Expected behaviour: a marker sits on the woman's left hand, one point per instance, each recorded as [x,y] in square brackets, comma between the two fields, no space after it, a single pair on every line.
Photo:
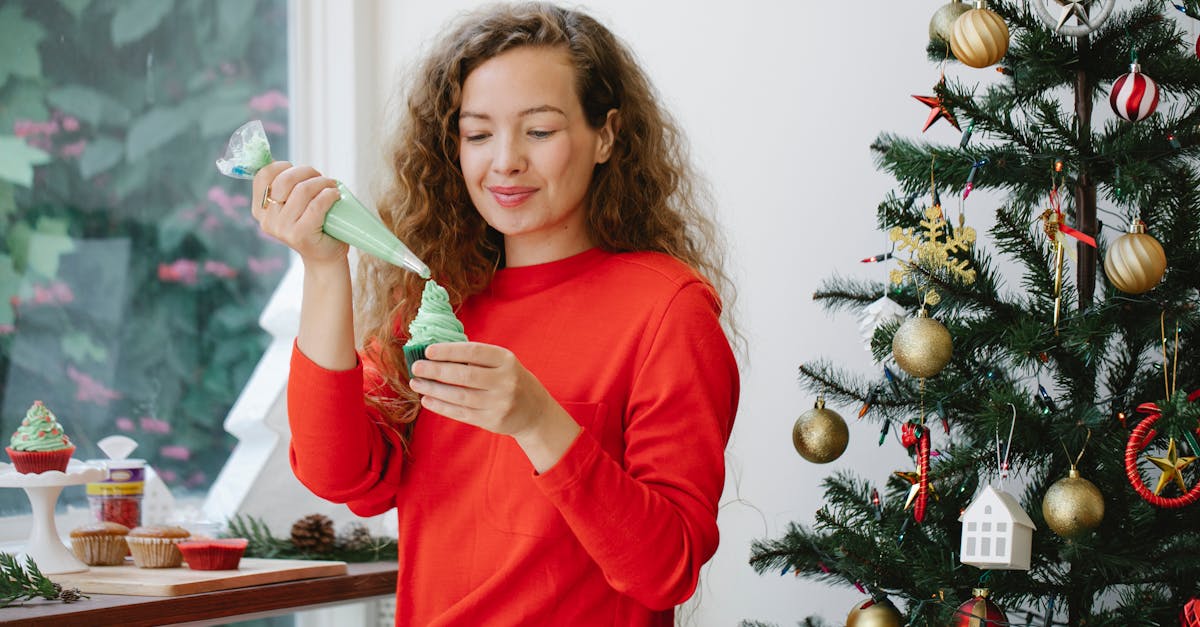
[480,384]
[486,386]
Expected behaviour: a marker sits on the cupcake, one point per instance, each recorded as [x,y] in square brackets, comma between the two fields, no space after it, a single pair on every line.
[154,547]
[40,444]
[100,544]
[435,322]
[208,554]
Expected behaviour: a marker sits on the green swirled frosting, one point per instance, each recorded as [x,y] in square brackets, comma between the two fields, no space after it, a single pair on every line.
[39,431]
[435,321]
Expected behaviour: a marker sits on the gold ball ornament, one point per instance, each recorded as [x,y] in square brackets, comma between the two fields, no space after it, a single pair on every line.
[820,435]
[979,37]
[1073,506]
[922,346]
[870,613]
[941,25]
[1135,262]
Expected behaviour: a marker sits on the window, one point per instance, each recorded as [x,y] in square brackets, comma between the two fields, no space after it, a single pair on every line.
[1001,547]
[132,277]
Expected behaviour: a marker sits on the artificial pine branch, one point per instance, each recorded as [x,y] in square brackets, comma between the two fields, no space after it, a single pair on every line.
[19,583]
[263,544]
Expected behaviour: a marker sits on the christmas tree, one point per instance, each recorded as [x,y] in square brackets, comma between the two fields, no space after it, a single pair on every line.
[1048,408]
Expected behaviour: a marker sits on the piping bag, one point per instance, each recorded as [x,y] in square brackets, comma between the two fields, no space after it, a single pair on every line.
[348,220]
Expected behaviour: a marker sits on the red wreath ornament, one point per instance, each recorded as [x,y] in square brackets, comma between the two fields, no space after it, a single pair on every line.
[1141,437]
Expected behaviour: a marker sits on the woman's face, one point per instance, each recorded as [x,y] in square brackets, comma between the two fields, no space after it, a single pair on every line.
[527,152]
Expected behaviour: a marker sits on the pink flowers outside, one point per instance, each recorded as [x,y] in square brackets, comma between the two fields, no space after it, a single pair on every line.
[265,266]
[217,268]
[57,293]
[183,271]
[89,390]
[175,451]
[187,271]
[154,425]
[269,101]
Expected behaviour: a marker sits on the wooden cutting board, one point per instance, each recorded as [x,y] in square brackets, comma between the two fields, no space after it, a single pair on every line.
[168,582]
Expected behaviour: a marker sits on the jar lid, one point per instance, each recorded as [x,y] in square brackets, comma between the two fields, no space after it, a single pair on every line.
[117,464]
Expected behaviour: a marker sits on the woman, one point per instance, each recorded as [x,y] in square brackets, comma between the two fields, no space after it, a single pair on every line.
[564,466]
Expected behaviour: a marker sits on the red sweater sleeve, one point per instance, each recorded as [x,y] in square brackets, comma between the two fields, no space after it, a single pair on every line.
[651,523]
[340,450]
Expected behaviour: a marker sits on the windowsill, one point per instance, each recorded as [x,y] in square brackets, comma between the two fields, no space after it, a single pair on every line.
[363,581]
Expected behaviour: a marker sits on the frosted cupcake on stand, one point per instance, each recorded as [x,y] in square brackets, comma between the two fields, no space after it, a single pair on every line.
[40,444]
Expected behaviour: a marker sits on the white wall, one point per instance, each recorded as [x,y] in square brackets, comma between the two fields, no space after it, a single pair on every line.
[781,101]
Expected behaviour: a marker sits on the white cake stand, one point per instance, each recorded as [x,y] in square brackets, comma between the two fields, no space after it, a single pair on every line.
[44,545]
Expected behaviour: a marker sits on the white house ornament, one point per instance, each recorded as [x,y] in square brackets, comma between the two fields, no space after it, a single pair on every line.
[1085,22]
[996,533]
[1134,95]
[877,314]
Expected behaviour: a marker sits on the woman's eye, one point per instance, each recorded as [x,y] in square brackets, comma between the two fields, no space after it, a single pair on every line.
[540,134]
[475,138]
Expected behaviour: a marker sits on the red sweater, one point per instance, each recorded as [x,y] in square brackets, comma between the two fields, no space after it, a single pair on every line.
[615,533]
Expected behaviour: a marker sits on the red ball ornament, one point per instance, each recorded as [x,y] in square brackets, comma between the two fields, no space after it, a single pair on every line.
[1134,96]
[980,612]
[1190,616]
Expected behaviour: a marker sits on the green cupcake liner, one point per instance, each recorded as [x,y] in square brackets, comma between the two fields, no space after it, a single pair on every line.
[413,354]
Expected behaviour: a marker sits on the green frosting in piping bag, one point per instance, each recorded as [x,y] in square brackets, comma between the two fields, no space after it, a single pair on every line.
[435,321]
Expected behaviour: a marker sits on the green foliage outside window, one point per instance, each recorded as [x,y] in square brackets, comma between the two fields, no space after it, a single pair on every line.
[131,273]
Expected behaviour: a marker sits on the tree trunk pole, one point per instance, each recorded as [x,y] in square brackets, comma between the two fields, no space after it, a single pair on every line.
[1085,189]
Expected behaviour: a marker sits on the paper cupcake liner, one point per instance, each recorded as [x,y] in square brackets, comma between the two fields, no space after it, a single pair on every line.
[413,354]
[100,550]
[35,462]
[223,554]
[155,552]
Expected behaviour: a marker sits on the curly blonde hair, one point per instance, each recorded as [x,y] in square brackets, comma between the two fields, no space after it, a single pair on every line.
[644,198]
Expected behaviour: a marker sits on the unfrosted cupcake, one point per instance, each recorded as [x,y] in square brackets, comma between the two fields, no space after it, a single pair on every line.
[40,444]
[154,546]
[100,544]
[210,554]
[435,322]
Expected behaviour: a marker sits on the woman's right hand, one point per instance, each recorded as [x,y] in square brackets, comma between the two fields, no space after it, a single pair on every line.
[290,202]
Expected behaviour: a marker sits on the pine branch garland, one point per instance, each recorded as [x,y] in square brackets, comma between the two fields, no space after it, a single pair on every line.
[25,583]
[353,546]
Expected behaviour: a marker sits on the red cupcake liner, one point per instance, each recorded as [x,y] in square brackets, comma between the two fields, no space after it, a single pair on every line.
[222,554]
[35,462]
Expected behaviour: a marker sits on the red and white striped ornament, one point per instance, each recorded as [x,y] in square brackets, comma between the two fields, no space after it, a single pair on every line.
[1134,96]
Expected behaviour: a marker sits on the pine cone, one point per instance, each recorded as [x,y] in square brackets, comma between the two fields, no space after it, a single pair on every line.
[355,538]
[313,533]
[70,595]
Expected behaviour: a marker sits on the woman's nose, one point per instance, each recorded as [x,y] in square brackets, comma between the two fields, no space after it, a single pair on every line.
[510,156]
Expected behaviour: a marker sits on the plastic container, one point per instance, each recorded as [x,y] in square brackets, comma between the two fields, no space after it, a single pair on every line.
[119,497]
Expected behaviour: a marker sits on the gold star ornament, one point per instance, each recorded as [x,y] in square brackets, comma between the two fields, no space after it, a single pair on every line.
[1172,468]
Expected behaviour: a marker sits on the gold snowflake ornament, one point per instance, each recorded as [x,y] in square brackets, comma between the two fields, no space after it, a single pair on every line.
[930,247]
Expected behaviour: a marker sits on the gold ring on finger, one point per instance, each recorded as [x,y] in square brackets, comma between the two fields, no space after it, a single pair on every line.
[267,198]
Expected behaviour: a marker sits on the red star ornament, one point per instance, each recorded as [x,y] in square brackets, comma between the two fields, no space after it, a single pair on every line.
[937,109]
